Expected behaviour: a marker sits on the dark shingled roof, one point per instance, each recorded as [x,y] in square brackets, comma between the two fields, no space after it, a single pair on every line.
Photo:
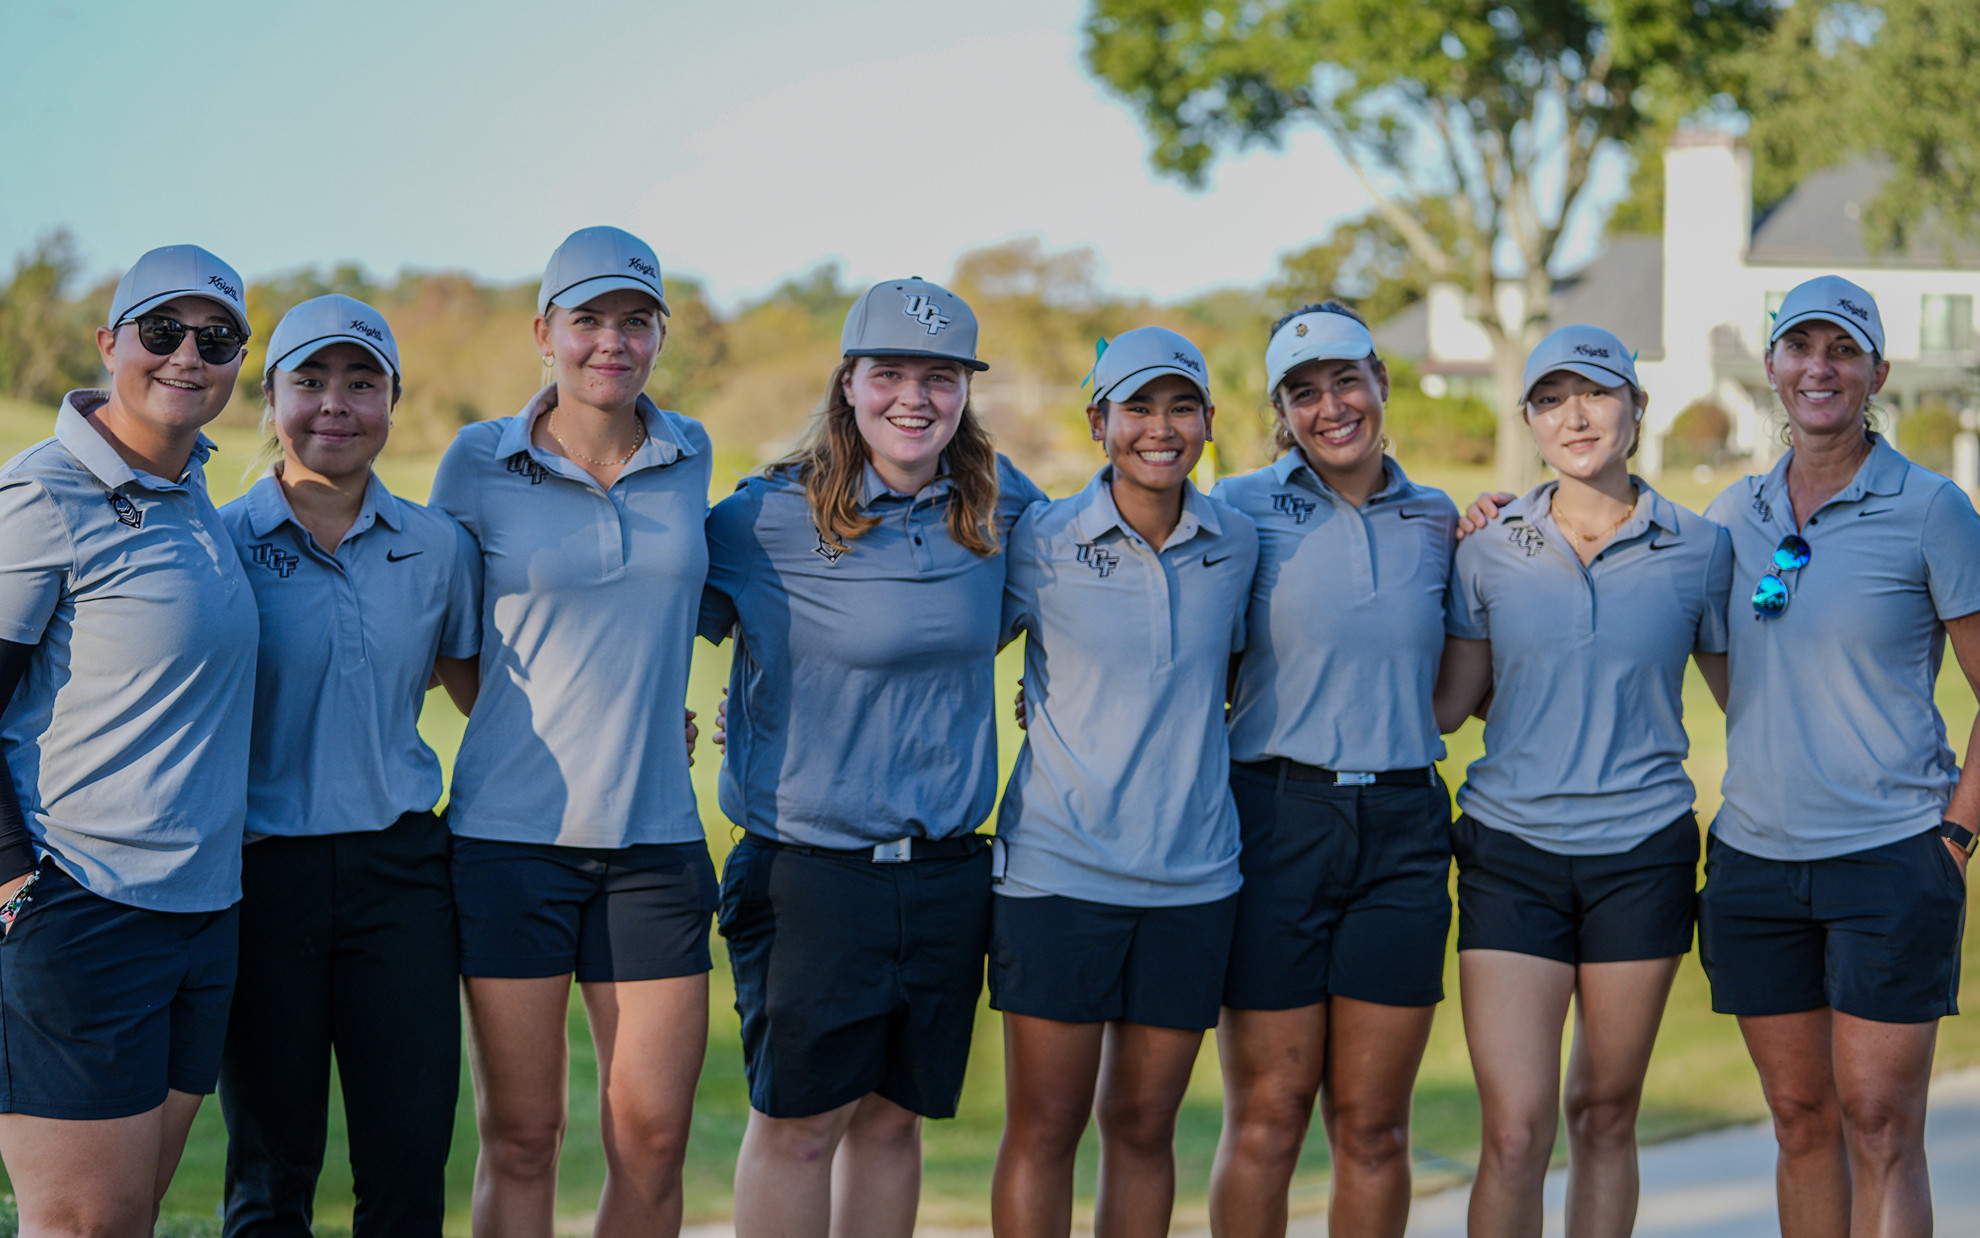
[1821,224]
[1621,290]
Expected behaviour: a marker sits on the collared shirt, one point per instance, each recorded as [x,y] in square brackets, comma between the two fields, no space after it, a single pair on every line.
[1121,792]
[1585,739]
[1833,741]
[862,696]
[1346,626]
[588,607]
[127,739]
[348,638]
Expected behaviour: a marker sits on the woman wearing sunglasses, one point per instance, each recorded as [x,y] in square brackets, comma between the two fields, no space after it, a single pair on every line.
[1337,962]
[347,915]
[861,579]
[1835,883]
[127,657]
[1574,612]
[578,849]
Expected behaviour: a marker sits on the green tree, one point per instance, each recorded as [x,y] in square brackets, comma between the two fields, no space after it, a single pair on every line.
[1497,107]
[47,341]
[1889,78]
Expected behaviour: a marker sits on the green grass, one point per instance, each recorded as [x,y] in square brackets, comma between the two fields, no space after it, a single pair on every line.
[1699,1077]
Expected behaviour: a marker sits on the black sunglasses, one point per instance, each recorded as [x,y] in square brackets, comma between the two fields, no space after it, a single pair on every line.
[216,345]
[1770,596]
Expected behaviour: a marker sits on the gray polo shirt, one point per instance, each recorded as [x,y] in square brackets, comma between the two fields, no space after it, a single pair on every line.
[1121,792]
[347,642]
[127,739]
[1346,626]
[1833,742]
[588,607]
[862,698]
[1585,739]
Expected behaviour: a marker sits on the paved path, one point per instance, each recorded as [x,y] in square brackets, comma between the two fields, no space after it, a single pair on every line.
[1721,1185]
[1718,1185]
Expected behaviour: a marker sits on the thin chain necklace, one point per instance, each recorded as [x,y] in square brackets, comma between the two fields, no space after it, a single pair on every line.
[603,464]
[1554,510]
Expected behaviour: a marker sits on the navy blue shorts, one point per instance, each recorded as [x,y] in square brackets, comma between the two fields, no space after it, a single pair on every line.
[104,1007]
[854,977]
[1347,893]
[1632,905]
[604,913]
[1066,959]
[1875,934]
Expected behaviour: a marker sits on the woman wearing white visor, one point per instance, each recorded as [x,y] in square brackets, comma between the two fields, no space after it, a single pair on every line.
[347,911]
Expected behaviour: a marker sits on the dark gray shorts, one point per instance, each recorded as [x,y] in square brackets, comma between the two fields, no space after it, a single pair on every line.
[1079,962]
[104,1007]
[1875,933]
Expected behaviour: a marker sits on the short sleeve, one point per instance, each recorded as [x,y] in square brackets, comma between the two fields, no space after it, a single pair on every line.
[36,556]
[1020,578]
[1465,613]
[732,543]
[460,634]
[1950,539]
[1712,620]
[454,489]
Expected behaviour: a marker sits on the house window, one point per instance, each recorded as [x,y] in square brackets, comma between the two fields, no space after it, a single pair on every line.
[1945,323]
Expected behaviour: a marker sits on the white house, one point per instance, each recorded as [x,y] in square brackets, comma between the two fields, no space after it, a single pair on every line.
[1696,301]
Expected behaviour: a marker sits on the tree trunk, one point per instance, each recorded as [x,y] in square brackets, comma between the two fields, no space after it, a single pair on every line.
[1518,462]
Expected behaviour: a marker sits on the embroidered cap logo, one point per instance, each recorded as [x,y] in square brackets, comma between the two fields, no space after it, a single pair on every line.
[233,293]
[1854,308]
[922,308]
[1588,351]
[643,268]
[364,328]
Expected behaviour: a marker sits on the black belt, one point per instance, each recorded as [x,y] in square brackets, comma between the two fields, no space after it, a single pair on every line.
[900,851]
[1294,771]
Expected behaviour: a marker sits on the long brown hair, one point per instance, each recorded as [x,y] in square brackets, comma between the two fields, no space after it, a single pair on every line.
[830,462]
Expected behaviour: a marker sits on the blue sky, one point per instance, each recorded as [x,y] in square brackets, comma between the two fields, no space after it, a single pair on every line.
[746,140]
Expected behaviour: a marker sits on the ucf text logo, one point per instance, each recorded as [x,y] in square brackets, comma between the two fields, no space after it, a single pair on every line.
[275,559]
[1526,537]
[1101,561]
[523,466]
[1301,510]
[924,311]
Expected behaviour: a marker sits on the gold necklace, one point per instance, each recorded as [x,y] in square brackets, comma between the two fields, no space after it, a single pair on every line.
[1554,510]
[564,447]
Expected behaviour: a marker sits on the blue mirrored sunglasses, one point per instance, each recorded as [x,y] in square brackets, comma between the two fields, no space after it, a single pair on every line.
[1770,596]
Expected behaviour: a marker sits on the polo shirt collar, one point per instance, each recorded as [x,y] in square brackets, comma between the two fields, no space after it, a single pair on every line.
[1097,513]
[268,507]
[1293,466]
[663,444]
[1882,472]
[872,488]
[91,450]
[1536,506]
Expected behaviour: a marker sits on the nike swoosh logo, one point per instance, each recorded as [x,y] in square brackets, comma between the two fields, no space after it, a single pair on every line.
[1412,515]
[1875,511]
[1657,545]
[1210,562]
[392,558]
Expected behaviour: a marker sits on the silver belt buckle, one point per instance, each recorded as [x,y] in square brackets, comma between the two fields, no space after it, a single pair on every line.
[900,851]
[1345,778]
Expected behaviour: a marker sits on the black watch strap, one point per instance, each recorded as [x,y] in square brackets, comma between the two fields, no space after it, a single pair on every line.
[1959,836]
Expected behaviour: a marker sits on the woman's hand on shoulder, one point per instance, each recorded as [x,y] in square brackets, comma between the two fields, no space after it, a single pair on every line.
[1018,708]
[721,723]
[1483,511]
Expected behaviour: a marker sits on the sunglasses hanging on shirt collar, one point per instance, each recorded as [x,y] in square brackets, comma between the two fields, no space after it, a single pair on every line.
[1770,596]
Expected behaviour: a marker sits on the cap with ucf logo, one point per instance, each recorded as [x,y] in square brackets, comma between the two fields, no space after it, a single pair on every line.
[911,318]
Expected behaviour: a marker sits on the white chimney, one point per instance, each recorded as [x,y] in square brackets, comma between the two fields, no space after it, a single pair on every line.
[1708,222]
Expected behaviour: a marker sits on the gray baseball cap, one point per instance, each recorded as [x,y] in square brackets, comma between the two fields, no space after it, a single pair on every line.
[1322,335]
[178,271]
[1833,299]
[319,322]
[594,261]
[911,318]
[1133,359]
[1591,352]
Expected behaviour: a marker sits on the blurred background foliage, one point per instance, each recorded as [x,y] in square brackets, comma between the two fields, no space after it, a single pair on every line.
[753,375]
